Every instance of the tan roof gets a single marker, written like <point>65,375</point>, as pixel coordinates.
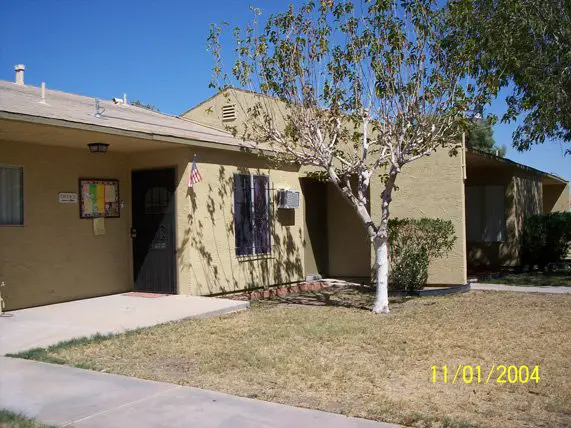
<point>25,101</point>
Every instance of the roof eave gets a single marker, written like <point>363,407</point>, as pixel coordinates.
<point>120,131</point>
<point>516,164</point>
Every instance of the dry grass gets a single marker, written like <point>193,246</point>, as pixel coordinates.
<point>9,419</point>
<point>560,278</point>
<point>350,361</point>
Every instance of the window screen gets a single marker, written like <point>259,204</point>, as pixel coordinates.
<point>11,195</point>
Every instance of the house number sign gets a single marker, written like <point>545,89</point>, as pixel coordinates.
<point>67,198</point>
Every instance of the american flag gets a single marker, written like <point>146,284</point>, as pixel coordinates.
<point>194,176</point>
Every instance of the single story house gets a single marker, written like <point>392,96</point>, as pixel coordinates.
<point>95,200</point>
<point>487,198</point>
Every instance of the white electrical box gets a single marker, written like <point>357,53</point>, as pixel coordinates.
<point>288,199</point>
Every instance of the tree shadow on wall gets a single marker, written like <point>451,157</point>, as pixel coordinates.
<point>207,247</point>
<point>523,199</point>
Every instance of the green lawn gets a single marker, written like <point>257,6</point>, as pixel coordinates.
<point>534,279</point>
<point>329,352</point>
<point>10,419</point>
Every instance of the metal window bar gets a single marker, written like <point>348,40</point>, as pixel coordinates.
<point>269,206</point>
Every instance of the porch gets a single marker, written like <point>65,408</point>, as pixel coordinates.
<point>500,195</point>
<point>336,244</point>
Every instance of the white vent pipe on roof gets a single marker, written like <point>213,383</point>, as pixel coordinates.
<point>43,100</point>
<point>20,73</point>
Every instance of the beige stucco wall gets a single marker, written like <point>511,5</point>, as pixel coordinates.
<point>432,187</point>
<point>555,198</point>
<point>209,112</point>
<point>348,243</point>
<point>55,256</point>
<point>206,257</point>
<point>524,197</point>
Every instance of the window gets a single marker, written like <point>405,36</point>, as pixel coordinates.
<point>252,214</point>
<point>11,195</point>
<point>486,213</point>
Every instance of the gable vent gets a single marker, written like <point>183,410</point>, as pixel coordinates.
<point>228,112</point>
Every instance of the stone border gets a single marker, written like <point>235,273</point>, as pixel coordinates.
<point>282,291</point>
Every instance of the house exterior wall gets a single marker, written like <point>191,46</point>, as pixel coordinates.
<point>429,187</point>
<point>349,245</point>
<point>206,257</point>
<point>209,112</point>
<point>209,250</point>
<point>556,198</point>
<point>524,197</point>
<point>432,187</point>
<point>55,255</point>
<point>315,228</point>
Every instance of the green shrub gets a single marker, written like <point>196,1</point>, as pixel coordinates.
<point>546,239</point>
<point>412,244</point>
<point>409,271</point>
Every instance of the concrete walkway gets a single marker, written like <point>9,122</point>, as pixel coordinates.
<point>47,325</point>
<point>519,288</point>
<point>67,396</point>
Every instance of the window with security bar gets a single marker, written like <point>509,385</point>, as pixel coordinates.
<point>252,214</point>
<point>11,195</point>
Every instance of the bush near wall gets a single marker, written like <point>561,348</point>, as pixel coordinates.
<point>546,239</point>
<point>412,244</point>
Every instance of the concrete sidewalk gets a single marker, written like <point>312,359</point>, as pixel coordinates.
<point>47,325</point>
<point>519,288</point>
<point>67,396</point>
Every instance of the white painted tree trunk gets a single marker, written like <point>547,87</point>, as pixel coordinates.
<point>382,265</point>
<point>381,246</point>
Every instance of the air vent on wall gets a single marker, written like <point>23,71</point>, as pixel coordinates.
<point>228,112</point>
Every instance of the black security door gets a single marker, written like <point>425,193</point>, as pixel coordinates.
<point>153,236</point>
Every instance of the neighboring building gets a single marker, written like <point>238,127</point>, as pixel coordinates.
<point>224,234</point>
<point>500,195</point>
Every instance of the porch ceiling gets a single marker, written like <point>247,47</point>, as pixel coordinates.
<point>37,133</point>
<point>480,160</point>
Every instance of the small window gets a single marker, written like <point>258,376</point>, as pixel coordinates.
<point>486,213</point>
<point>11,195</point>
<point>228,112</point>
<point>252,214</point>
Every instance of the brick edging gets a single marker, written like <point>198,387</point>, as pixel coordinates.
<point>278,291</point>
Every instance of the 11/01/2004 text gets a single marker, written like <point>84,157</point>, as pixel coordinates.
<point>469,374</point>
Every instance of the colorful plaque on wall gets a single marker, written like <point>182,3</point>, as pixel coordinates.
<point>99,198</point>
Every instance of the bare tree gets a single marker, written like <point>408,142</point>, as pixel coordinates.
<point>364,89</point>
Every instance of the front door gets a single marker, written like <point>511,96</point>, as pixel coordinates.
<point>153,208</point>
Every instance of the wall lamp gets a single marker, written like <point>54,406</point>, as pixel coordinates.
<point>98,147</point>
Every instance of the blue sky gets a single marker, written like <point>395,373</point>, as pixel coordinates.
<point>154,51</point>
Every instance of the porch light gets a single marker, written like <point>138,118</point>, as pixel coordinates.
<point>98,147</point>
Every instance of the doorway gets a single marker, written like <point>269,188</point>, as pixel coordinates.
<point>153,230</point>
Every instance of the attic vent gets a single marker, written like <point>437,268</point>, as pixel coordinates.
<point>228,112</point>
